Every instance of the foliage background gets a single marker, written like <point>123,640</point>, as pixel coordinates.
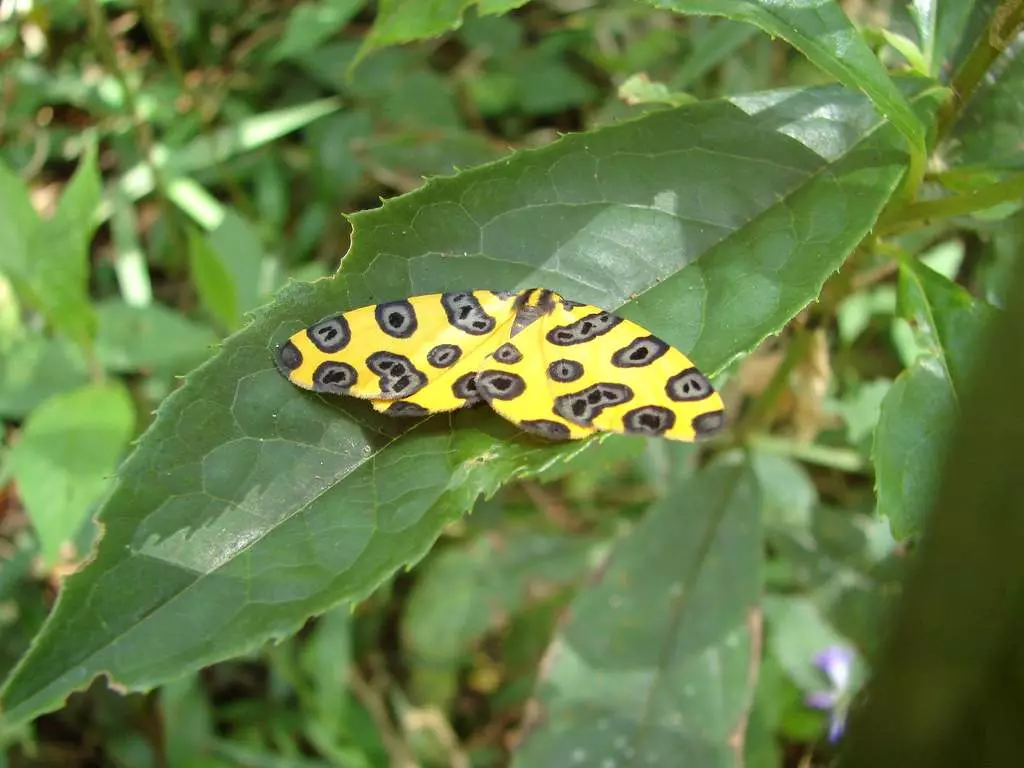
<point>819,201</point>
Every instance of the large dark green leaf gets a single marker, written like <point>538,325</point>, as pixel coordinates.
<point>657,662</point>
<point>250,505</point>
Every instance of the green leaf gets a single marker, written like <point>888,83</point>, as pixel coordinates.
<point>35,369</point>
<point>151,338</point>
<point>940,27</point>
<point>908,49</point>
<point>481,587</point>
<point>720,41</point>
<point>226,266</point>
<point>65,456</point>
<point>48,260</point>
<point>988,132</point>
<point>947,319</point>
<point>946,688</point>
<point>312,23</point>
<point>250,505</point>
<point>211,279</point>
<point>18,224</point>
<point>402,21</point>
<point>916,420</point>
<point>657,661</point>
<point>921,407</point>
<point>823,33</point>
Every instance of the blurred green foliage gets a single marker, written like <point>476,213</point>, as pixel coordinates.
<point>820,204</point>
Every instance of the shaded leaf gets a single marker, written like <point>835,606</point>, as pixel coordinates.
<point>402,21</point>
<point>311,23</point>
<point>916,420</point>
<point>920,409</point>
<point>948,320</point>
<point>151,338</point>
<point>721,40</point>
<point>988,132</point>
<point>824,34</point>
<point>65,456</point>
<point>946,690</point>
<point>657,661</point>
<point>48,260</point>
<point>481,587</point>
<point>250,505</point>
<point>211,279</point>
<point>35,369</point>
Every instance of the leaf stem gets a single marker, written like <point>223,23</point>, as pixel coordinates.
<point>843,459</point>
<point>1010,189</point>
<point>755,419</point>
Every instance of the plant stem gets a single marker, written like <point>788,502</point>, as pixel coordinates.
<point>1006,22</point>
<point>753,420</point>
<point>1008,190</point>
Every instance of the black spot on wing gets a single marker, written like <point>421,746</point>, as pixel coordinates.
<point>287,358</point>
<point>396,318</point>
<point>689,385</point>
<point>403,408</point>
<point>465,313</point>
<point>444,355</point>
<point>466,389</point>
<point>508,353</point>
<point>583,330</point>
<point>649,420</point>
<point>571,305</point>
<point>708,424</point>
<point>584,406</point>
<point>499,385</point>
<point>330,335</point>
<point>552,430</point>
<point>639,352</point>
<point>565,370</point>
<point>334,378</point>
<point>398,376</point>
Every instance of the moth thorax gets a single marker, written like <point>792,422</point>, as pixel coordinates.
<point>531,305</point>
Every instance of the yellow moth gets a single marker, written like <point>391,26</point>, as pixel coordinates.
<point>554,367</point>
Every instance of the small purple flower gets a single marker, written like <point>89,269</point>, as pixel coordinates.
<point>836,662</point>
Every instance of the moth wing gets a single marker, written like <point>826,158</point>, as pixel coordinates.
<point>601,372</point>
<point>515,383</point>
<point>412,350</point>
